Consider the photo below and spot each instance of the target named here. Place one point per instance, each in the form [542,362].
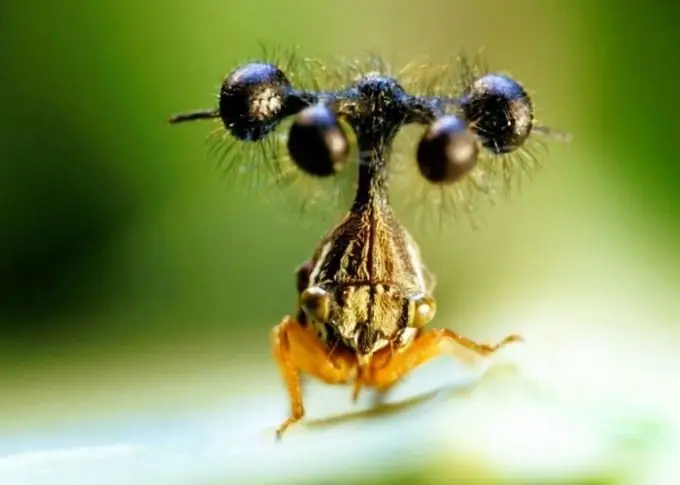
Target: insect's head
[346,313]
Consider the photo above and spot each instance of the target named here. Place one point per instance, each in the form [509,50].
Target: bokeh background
[133,281]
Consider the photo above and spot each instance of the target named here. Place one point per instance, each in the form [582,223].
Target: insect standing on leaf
[365,297]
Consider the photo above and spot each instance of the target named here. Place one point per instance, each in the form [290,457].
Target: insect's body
[371,268]
[365,295]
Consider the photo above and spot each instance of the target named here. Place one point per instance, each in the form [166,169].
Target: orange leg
[426,346]
[356,389]
[296,350]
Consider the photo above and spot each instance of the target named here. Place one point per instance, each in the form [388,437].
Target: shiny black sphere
[317,142]
[499,111]
[252,98]
[447,150]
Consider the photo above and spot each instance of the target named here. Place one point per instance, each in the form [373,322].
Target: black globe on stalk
[447,150]
[499,111]
[251,100]
[317,142]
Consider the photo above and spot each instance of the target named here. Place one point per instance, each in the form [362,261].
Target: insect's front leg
[297,349]
[429,344]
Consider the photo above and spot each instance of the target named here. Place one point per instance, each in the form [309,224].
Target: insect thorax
[371,268]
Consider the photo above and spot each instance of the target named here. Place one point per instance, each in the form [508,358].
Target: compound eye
[500,113]
[317,143]
[251,100]
[447,150]
[425,309]
[316,303]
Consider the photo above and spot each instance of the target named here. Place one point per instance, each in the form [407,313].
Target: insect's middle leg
[429,344]
[297,349]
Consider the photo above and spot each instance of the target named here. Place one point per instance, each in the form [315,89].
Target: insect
[365,296]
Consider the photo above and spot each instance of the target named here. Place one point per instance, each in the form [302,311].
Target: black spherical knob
[251,100]
[447,150]
[317,142]
[499,111]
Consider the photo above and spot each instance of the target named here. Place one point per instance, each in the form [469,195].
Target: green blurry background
[124,260]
